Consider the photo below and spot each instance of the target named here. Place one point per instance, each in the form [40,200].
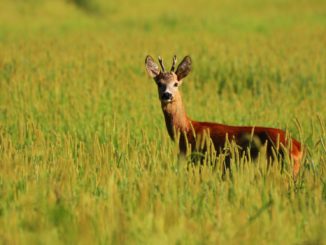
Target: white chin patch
[167,101]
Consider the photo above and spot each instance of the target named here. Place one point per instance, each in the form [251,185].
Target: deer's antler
[161,63]
[174,62]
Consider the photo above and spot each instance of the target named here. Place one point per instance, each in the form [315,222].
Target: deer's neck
[175,116]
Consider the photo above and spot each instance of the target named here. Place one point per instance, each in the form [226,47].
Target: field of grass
[84,153]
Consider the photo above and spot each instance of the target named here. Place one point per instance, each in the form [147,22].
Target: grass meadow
[85,157]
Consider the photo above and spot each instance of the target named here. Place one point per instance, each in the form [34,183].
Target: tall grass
[84,153]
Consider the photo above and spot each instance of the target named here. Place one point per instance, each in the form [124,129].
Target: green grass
[84,153]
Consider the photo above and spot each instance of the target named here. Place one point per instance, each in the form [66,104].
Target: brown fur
[177,122]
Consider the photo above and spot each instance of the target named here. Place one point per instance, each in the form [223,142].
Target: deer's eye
[176,85]
[160,85]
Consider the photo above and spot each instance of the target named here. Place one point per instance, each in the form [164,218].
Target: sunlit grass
[84,153]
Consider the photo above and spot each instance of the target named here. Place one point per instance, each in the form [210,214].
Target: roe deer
[177,122]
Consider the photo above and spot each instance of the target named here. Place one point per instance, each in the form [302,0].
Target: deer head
[168,81]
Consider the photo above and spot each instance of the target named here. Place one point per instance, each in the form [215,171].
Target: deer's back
[242,136]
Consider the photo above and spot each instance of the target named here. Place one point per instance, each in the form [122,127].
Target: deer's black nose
[166,96]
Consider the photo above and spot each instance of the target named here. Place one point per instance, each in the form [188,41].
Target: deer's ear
[152,68]
[184,68]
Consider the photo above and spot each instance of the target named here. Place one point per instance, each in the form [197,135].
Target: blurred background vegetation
[84,153]
[220,17]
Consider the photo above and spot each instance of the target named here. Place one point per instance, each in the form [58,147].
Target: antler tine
[161,63]
[174,62]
